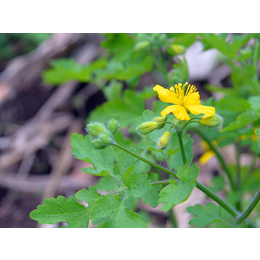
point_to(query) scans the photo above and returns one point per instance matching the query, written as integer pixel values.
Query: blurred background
(37, 118)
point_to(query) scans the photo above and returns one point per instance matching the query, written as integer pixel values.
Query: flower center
(178, 95)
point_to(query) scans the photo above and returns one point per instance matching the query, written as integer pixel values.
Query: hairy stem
(179, 134)
(147, 161)
(249, 209)
(172, 218)
(200, 186)
(219, 156)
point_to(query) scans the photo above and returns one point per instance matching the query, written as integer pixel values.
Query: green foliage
(61, 210)
(111, 210)
(179, 191)
(138, 173)
(137, 185)
(102, 160)
(204, 216)
(64, 70)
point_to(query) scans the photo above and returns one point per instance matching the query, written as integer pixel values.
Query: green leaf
(106, 183)
(124, 111)
(188, 174)
(219, 42)
(205, 216)
(152, 196)
(89, 196)
(180, 72)
(232, 104)
(137, 184)
(126, 160)
(102, 160)
(179, 191)
(243, 119)
(119, 44)
(113, 90)
(254, 102)
(61, 210)
(115, 215)
(174, 194)
(175, 158)
(64, 70)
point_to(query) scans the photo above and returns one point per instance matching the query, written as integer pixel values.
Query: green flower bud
(141, 45)
(161, 121)
(211, 121)
(97, 144)
(178, 49)
(95, 129)
(112, 126)
(105, 139)
(147, 127)
(164, 140)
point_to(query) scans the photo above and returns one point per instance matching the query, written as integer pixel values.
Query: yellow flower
(184, 103)
(208, 154)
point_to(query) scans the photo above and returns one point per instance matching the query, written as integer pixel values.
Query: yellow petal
(199, 109)
(191, 99)
(164, 94)
(179, 111)
(206, 157)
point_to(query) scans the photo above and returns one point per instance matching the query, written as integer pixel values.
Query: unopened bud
(211, 121)
(164, 140)
(105, 139)
(161, 121)
(141, 45)
(95, 129)
(147, 127)
(112, 126)
(97, 144)
(178, 49)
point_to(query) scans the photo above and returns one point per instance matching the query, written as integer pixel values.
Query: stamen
(191, 89)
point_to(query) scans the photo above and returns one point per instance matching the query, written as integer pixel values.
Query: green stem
(200, 186)
(215, 197)
(147, 161)
(249, 209)
(219, 156)
(206, 190)
(179, 134)
(172, 218)
(160, 182)
(238, 164)
(238, 168)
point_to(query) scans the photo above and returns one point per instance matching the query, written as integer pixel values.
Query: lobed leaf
(179, 191)
(102, 160)
(243, 119)
(114, 214)
(61, 210)
(205, 216)
(137, 185)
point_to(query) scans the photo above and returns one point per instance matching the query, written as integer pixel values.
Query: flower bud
(211, 121)
(112, 126)
(105, 139)
(97, 144)
(147, 127)
(95, 129)
(161, 121)
(164, 140)
(178, 49)
(141, 45)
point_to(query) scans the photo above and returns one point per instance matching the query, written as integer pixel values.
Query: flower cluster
(103, 136)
